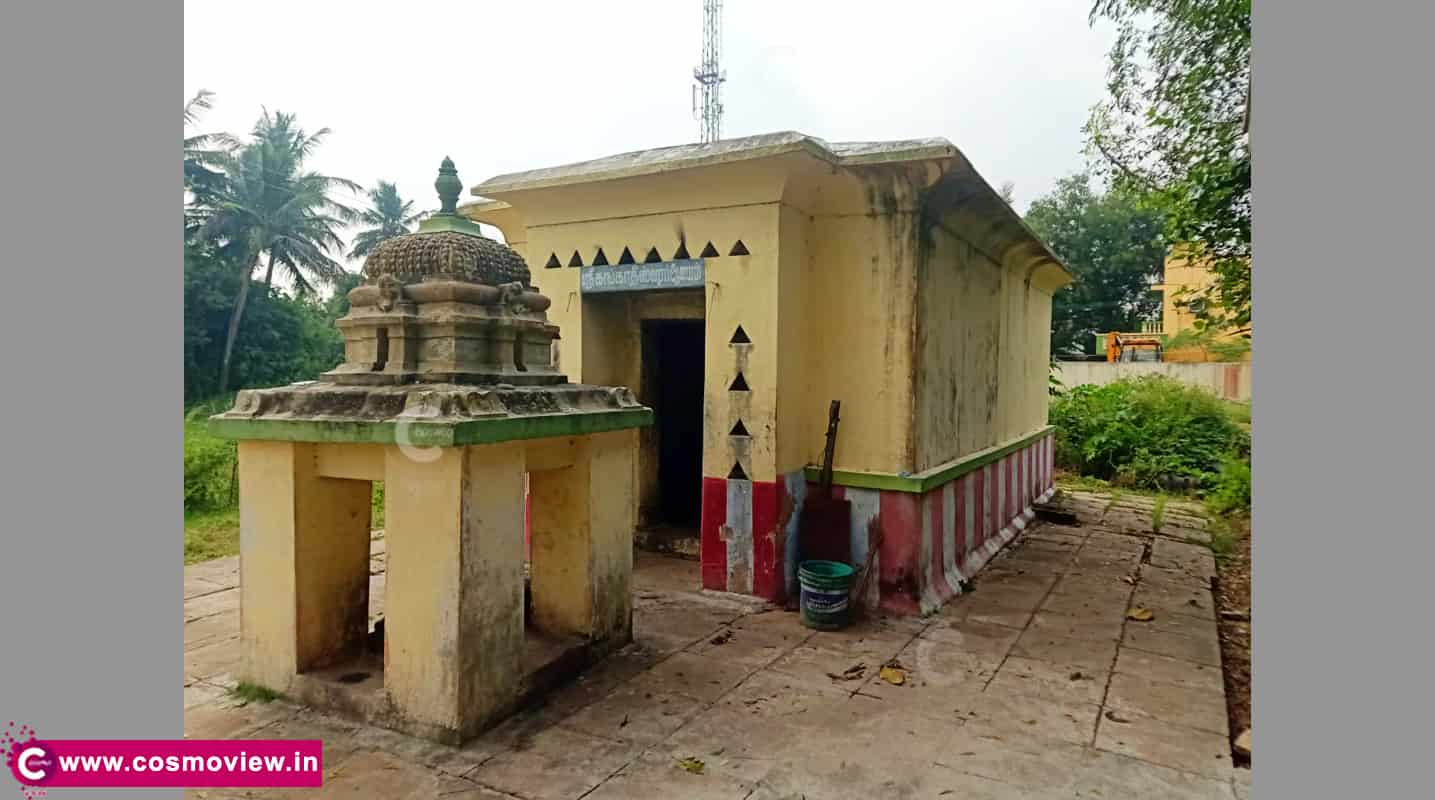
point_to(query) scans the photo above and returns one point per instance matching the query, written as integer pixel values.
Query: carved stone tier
(444, 331)
(442, 415)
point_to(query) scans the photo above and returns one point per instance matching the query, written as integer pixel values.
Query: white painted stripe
(866, 504)
(739, 542)
(951, 539)
(928, 600)
(1002, 467)
(989, 508)
(969, 490)
(796, 482)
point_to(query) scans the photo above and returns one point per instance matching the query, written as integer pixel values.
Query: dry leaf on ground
(1140, 614)
(893, 674)
(693, 765)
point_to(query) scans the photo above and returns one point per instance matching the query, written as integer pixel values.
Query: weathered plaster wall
(983, 346)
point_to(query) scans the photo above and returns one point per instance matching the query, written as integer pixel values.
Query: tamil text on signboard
(642, 277)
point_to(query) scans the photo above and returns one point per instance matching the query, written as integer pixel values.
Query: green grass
(1223, 536)
(1158, 512)
(254, 693)
(1238, 412)
(211, 517)
(210, 534)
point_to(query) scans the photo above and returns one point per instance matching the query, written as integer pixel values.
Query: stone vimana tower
(448, 394)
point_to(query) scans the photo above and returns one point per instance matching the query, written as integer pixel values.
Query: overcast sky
(523, 84)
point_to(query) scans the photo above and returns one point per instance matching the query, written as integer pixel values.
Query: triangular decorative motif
(738, 430)
(652, 257)
(552, 261)
(600, 260)
(576, 260)
(709, 251)
(737, 474)
(738, 249)
(681, 254)
(739, 336)
(739, 384)
(626, 257)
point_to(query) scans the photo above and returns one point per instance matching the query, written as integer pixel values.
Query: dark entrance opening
(673, 356)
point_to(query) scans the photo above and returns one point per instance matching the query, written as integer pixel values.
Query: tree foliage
(1176, 125)
(1113, 245)
(387, 216)
(282, 338)
(270, 207)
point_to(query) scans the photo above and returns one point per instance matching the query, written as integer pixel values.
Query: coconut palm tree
(271, 209)
(389, 215)
(204, 153)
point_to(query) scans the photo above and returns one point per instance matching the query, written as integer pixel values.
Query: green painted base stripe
(927, 480)
(431, 434)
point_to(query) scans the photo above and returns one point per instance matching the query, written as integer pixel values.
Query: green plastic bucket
(825, 588)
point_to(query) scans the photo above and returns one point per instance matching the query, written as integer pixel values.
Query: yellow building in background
(740, 286)
(1185, 280)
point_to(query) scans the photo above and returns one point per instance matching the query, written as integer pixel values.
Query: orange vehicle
(1132, 346)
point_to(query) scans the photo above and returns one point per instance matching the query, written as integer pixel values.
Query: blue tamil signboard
(686, 274)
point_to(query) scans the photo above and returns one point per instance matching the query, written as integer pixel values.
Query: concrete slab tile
(1175, 599)
(199, 693)
(1088, 655)
(878, 640)
(938, 679)
(1156, 576)
(1061, 682)
(1200, 649)
(752, 647)
(195, 586)
(1035, 767)
(1027, 566)
(209, 604)
(1202, 709)
(558, 763)
(1049, 533)
(1106, 605)
(1182, 557)
(376, 773)
(211, 629)
(1169, 670)
(658, 572)
(1000, 712)
(1083, 627)
(658, 777)
(1105, 589)
(598, 681)
(811, 668)
(667, 624)
(225, 718)
(1102, 774)
(215, 657)
(222, 571)
(786, 625)
(1013, 618)
(989, 642)
(999, 600)
(635, 713)
(1167, 745)
(695, 676)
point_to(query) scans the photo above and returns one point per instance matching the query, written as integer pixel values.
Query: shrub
(1232, 490)
(208, 468)
(1135, 431)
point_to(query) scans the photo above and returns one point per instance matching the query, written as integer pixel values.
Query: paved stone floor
(1034, 685)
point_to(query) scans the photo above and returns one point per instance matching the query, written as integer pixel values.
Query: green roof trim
(927, 480)
(431, 434)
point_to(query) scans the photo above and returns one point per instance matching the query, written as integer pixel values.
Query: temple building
(739, 287)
